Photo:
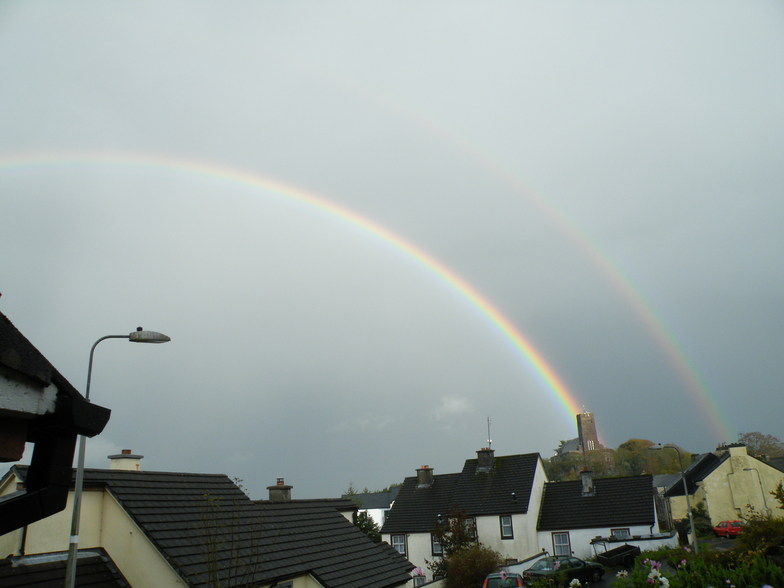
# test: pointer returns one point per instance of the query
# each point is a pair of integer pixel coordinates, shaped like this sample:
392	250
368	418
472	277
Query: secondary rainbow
544	372
718	421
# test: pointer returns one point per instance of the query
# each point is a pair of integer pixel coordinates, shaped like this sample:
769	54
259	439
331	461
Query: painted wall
10	542
728	491
580	540
134	554
103	524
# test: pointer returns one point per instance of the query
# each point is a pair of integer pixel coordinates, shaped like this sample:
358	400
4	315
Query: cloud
451	407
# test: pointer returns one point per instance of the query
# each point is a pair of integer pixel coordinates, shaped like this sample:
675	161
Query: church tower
586	432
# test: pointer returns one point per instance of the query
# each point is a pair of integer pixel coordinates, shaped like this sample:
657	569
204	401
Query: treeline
633	458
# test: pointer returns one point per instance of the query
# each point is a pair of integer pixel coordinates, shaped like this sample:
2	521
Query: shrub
468	567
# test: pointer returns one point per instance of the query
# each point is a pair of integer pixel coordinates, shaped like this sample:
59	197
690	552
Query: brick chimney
424	477
485	458
587	480
126	460
280	492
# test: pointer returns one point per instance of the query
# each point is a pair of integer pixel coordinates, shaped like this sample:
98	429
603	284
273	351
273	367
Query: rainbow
544	372
718	421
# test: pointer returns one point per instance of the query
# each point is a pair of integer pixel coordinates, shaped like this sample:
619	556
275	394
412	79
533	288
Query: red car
728	529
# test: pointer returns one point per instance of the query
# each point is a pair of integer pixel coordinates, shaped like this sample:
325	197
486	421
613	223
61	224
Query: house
500	495
586	517
183	529
375	504
39	406
727	483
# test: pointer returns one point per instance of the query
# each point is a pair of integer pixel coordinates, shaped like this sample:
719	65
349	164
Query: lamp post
138	336
764	500
659	446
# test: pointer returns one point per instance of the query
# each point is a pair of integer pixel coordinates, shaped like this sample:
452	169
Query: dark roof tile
615	501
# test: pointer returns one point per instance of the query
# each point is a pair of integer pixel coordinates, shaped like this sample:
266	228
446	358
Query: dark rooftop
614	501
505	489
207	528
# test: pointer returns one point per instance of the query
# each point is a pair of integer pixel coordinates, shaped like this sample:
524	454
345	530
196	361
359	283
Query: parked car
565	568
729	529
503	580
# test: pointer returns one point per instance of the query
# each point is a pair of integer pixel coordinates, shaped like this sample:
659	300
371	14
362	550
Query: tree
365	523
778	494
469	566
758	444
454	533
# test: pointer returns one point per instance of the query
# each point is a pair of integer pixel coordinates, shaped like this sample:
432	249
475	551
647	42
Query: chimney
485	458
587	481
424	477
126	460
280	492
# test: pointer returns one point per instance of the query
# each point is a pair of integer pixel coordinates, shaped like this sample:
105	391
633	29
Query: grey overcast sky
274	185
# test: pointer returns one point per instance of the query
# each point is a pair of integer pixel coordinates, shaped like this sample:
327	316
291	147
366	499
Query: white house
587	517
501	495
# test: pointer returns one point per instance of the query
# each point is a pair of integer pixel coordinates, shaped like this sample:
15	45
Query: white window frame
398	541
558	546
621	533
470	526
434	542
420	580
509	533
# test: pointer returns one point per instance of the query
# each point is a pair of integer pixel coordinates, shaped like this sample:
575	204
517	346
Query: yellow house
167	529
729	483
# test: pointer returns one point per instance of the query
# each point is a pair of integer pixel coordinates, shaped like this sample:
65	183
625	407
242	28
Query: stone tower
586	432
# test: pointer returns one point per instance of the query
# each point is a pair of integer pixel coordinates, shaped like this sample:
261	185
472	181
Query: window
620	533
435	545
420	580
399	543
561	544
507	532
470	525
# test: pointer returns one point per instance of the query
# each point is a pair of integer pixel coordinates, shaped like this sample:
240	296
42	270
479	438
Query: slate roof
776	462
700	468
208	529
416	510
96	570
665	480
616	501
480	493
371	500
477	493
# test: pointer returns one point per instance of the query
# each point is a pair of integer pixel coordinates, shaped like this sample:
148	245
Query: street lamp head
656	446
142	336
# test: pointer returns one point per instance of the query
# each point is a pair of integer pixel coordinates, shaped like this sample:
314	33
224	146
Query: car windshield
544	565
499	583
736	524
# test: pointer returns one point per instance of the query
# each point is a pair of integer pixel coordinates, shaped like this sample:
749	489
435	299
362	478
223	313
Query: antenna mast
489	439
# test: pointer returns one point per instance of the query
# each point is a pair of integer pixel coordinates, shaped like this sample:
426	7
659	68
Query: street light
659	446
138	336
764	500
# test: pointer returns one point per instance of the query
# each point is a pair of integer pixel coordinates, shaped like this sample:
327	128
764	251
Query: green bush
468	567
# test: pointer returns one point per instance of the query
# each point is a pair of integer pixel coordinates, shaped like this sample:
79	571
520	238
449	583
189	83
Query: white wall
580	540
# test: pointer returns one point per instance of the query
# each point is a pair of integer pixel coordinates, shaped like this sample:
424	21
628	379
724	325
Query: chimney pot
587	481
424	477
126	460
485	458
280	492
